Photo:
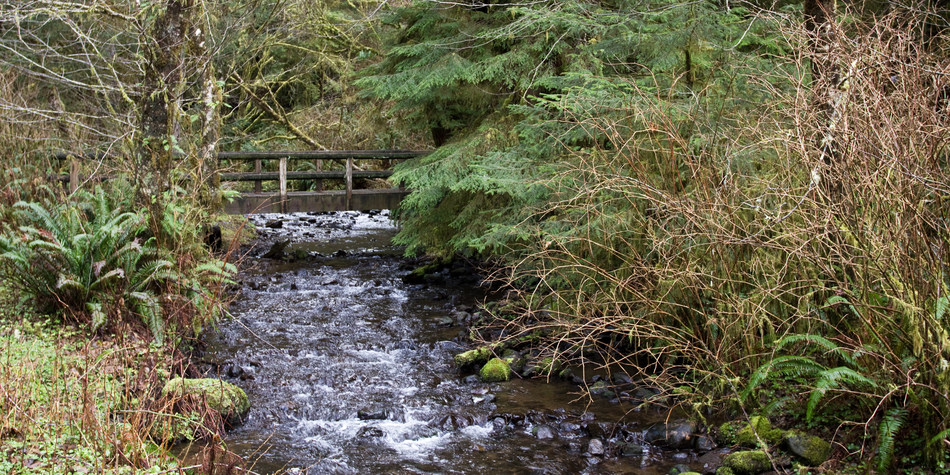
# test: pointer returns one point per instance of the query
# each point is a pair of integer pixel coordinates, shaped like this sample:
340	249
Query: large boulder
229	400
811	450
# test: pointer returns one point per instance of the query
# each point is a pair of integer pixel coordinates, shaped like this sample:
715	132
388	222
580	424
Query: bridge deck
299	201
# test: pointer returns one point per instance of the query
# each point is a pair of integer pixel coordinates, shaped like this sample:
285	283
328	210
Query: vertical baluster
349	183
283	184
257	183
319	183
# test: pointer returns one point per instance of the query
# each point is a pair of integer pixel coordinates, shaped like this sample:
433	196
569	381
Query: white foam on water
475	431
374	356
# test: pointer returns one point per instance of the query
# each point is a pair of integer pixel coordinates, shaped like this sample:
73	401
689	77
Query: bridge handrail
282	174
323	155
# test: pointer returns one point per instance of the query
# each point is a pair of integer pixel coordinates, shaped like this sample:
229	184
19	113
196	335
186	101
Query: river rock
811	450
543	431
763	428
595	447
474	357
674	435
371	414
680	469
495	370
747	462
632	449
704	443
229	400
516	361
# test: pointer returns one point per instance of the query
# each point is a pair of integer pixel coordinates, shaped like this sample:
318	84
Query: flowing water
349	369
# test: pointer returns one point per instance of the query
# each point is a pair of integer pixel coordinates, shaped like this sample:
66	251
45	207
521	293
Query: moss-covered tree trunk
205	163
159	110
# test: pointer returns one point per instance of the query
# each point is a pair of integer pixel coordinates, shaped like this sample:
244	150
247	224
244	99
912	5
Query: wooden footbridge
331	189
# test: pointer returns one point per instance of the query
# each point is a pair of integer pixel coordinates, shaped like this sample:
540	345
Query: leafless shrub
682	257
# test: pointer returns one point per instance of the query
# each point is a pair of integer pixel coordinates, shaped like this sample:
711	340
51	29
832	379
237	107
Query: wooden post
349	183
257	169
319	183
283	184
73	174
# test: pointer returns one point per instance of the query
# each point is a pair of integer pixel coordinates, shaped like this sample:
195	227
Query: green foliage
890	426
646	170
91	260
86	261
507	92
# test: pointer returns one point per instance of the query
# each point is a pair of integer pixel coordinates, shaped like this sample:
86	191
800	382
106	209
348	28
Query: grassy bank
66	399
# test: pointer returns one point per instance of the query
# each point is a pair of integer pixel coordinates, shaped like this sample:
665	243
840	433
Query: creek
349	369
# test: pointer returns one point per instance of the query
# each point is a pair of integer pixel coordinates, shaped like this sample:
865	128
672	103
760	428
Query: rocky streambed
349	369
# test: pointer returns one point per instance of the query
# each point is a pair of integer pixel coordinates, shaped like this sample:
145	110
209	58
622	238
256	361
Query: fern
817	340
890	426
781	366
831	379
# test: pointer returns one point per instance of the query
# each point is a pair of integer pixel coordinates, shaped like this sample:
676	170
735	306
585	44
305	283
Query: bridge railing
283	176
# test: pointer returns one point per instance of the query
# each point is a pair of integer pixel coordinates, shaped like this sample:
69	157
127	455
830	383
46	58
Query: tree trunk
208	181
162	86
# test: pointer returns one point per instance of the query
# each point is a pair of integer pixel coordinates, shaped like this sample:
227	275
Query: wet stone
632	449
369	414
370	432
680	468
595	447
676	435
544	432
704	443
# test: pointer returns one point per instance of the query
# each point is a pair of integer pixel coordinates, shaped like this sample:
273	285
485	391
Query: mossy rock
724	471
747	462
746	437
474	357
229	400
495	370
516	361
811	450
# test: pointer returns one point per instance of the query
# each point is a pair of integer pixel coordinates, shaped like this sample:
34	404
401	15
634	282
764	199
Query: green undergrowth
65	399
